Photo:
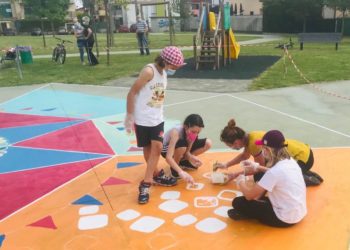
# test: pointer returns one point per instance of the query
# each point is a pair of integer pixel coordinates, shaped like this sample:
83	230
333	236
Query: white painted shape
195	186
170	195
185	220
222	211
88	210
146	224
128	214
206	201
93	222
207	175
235	192
210	225
173	206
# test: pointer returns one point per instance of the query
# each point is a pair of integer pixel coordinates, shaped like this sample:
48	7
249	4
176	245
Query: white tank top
166	138
150	99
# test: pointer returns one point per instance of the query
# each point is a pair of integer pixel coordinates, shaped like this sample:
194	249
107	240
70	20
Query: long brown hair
276	155
231	132
160	61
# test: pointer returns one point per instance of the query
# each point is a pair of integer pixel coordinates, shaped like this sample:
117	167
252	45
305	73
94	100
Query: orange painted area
325	227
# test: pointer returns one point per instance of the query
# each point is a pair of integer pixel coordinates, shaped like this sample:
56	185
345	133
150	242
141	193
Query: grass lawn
318	62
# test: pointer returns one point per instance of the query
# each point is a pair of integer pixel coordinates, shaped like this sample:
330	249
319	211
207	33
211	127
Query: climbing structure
214	39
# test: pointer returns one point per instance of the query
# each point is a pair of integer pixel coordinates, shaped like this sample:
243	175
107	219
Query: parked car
123	29
9	32
36	32
133	28
62	31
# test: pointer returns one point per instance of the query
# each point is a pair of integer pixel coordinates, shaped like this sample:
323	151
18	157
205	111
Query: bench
319	38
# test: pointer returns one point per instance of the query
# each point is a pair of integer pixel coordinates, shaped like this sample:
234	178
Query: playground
69	172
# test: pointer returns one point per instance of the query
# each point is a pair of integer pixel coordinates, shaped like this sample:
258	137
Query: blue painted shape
2	238
121	129
18	158
68	104
17	134
87	200
50	109
127	164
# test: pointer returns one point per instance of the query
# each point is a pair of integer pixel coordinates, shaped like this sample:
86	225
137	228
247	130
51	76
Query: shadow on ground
246	67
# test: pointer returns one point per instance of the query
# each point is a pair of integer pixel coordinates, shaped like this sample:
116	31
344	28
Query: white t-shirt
149	101
286	190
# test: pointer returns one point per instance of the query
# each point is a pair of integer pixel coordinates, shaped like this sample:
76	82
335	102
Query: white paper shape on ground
170	195
235	192
206	201
185	220
173	206
128	214
195	186
222	211
88	210
210	225
146	224
93	222
207	175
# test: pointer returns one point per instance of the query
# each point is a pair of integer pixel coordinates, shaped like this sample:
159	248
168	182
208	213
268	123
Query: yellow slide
234	46
212	21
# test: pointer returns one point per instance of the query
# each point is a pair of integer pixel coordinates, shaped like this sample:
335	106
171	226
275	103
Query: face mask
191	136
170	72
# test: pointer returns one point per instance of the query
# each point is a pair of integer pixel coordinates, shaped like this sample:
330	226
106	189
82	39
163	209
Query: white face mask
170	72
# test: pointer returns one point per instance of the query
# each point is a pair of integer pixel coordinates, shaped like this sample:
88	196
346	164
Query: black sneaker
234	215
163	180
311	180
174	173
311	173
187	165
144	192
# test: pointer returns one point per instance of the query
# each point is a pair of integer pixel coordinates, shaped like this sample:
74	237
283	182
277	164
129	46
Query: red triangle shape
82	137
115	181
18	189
46	222
9	120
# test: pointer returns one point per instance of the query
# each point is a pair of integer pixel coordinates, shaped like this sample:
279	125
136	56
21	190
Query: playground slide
212	21
234	46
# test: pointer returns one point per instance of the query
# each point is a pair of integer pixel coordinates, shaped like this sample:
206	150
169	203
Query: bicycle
59	52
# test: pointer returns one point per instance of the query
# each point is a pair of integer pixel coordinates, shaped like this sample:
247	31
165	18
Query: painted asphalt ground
317	114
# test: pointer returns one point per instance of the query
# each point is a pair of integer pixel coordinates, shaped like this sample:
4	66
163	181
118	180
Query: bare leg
206	147
152	159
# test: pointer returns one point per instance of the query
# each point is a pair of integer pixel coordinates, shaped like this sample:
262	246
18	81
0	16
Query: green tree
299	10
46	10
341	5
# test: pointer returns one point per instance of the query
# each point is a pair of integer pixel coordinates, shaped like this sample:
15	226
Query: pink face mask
191	136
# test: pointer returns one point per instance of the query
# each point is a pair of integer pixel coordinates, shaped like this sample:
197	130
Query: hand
129	123
239	179
195	161
250	167
188	178
220	165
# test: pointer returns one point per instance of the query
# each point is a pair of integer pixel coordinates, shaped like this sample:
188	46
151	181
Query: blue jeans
81	43
143	43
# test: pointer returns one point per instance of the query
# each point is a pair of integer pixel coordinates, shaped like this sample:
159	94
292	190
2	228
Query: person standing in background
141	34
89	43
79	34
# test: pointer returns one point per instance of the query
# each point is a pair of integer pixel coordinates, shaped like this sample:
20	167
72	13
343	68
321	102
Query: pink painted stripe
21	188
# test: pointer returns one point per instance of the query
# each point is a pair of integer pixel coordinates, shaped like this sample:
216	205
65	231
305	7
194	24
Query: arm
241	157
251	193
145	76
174	137
89	33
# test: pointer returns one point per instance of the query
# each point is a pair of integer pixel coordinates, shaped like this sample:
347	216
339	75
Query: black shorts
144	135
198	143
